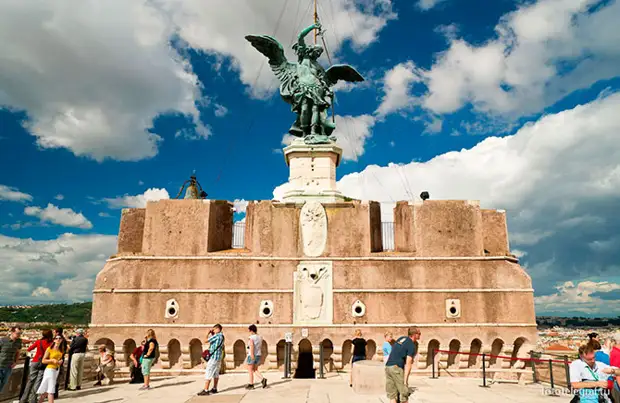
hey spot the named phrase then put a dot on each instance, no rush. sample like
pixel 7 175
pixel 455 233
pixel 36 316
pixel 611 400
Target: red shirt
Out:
pixel 614 357
pixel 41 345
pixel 137 353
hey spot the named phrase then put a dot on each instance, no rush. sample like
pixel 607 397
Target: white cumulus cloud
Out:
pixel 59 216
pixel 397 85
pixel 59 269
pixel 541 52
pixel 137 201
pixel 8 193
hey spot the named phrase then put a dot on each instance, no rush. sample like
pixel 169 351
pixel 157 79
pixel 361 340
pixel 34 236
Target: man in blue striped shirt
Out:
pixel 216 347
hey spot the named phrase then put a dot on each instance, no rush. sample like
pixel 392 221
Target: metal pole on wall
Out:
pixel 290 355
pixel 567 370
pixel 321 361
pixel 484 371
pixel 551 373
pixel 285 361
pixel 25 372
pixel 433 353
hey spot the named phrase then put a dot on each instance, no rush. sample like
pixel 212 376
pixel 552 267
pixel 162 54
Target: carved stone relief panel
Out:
pixel 313 293
pixel 313 221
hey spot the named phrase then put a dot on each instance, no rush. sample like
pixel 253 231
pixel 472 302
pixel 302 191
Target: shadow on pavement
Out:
pixel 173 384
pixel 243 386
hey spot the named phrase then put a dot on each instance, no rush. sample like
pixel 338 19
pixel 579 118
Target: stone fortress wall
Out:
pixel 318 271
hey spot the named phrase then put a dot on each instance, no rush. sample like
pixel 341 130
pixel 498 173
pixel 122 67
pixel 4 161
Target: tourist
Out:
pixel 255 344
pixel 602 354
pixel 387 346
pixel 213 356
pixel 398 366
pixel 9 354
pixel 150 353
pixel 53 358
pixel 592 336
pixel 35 374
pixel 77 352
pixel 105 369
pixel 135 367
pixel 358 352
pixel 589 377
pixel 63 347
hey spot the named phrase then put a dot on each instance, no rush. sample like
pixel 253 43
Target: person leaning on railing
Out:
pixel 590 377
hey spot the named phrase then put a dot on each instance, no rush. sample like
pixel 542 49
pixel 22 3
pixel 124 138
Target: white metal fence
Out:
pixel 387 230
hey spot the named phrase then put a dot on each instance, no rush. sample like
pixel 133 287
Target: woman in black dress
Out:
pixel 358 353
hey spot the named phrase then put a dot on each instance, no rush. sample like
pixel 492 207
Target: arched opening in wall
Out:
pixel 128 346
pixel 239 353
pixel 328 351
pixel 346 353
pixel 174 353
pixel 264 351
pixel 496 349
pixel 474 348
pixel 432 346
pixel 454 358
pixel 109 344
pixel 305 360
pixel 371 349
pixel 280 350
pixel 515 351
pixel 195 352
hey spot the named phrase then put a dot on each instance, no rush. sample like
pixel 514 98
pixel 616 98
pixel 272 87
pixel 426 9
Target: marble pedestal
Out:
pixel 312 172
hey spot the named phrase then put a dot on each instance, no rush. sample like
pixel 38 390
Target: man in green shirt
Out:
pixel 9 353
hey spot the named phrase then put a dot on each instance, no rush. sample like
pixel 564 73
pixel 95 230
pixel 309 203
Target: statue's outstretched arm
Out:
pixel 305 32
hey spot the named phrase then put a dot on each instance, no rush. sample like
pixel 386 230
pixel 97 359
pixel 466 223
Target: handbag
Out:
pixel 206 355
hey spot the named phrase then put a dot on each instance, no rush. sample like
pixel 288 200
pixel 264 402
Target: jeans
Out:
pixel 5 375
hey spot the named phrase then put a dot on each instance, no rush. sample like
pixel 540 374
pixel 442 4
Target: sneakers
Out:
pixel 249 387
pixel 204 393
pixel 144 387
pixel 264 383
pixel 213 391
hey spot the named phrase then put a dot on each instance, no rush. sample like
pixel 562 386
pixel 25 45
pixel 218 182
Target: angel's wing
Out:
pixel 268 46
pixel 342 72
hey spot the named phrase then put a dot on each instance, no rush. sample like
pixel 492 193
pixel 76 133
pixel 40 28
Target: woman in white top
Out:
pixel 255 343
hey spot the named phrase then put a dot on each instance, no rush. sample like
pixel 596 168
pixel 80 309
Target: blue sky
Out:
pixel 103 106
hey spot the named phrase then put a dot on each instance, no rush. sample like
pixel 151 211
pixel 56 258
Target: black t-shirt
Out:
pixel 401 349
pixel 147 346
pixel 359 347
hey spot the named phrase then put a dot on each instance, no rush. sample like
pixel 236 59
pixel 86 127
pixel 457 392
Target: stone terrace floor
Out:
pixel 335 389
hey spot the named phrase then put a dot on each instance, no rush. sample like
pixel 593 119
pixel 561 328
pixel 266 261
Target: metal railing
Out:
pixel 387 232
pixel 238 240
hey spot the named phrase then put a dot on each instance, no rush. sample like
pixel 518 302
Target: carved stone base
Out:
pixel 312 172
pixel 313 293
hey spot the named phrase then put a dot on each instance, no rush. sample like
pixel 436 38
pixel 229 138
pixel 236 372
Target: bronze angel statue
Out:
pixel 306 85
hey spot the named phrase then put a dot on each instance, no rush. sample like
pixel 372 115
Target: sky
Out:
pixel 105 105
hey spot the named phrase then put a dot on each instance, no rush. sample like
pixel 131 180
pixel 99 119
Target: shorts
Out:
pixel 147 363
pixel 255 361
pixel 357 358
pixel 395 383
pixel 213 369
